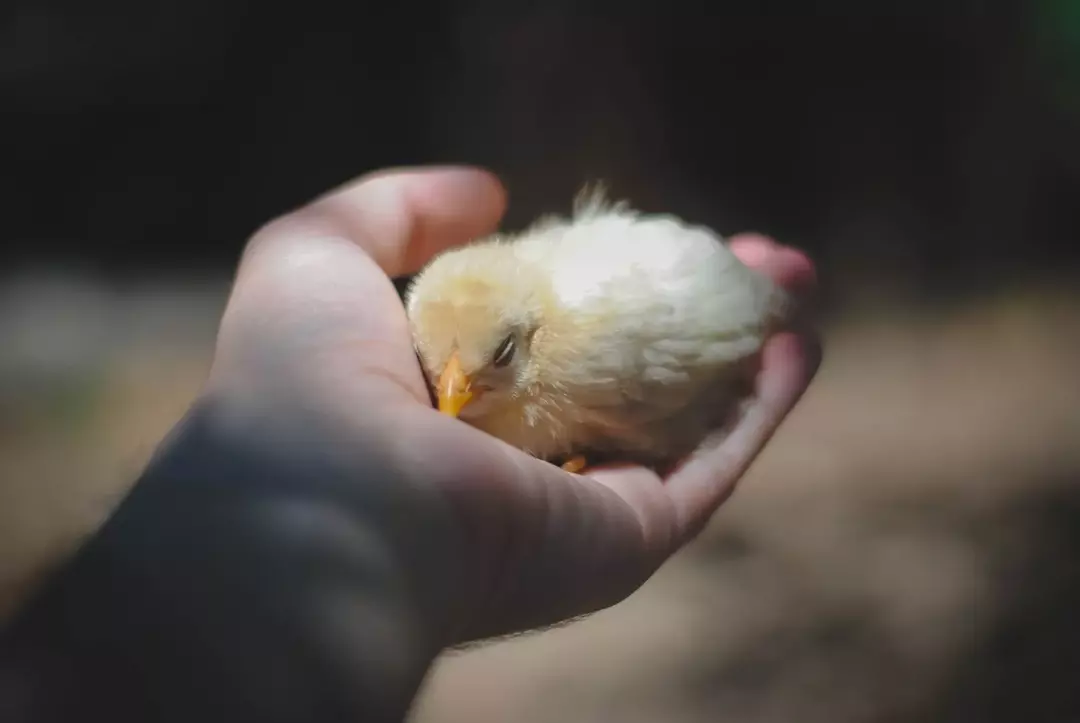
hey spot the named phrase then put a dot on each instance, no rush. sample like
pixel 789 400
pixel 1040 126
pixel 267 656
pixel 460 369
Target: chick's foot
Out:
pixel 574 465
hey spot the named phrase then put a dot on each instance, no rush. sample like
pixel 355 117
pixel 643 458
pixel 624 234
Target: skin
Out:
pixel 314 533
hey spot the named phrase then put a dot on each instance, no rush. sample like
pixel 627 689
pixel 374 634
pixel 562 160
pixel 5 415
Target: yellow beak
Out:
pixel 453 390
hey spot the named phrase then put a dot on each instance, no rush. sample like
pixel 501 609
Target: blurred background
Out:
pixel 906 550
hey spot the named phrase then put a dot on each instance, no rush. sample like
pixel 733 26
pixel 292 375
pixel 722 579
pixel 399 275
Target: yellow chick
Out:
pixel 607 336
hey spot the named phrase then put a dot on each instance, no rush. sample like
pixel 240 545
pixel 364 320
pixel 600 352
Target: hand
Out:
pixel 315 331
pixel 314 533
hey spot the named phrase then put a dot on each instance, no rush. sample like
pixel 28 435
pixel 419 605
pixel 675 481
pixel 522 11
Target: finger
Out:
pixel 539 531
pixel 642 490
pixel 319 273
pixel 702 483
pixel 400 218
pixel 787 267
pixel 789 362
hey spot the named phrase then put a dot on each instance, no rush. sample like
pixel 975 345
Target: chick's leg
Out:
pixel 574 465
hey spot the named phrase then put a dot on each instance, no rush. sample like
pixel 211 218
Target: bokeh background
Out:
pixel 907 548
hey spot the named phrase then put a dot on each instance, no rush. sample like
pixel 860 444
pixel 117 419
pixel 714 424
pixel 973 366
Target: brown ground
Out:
pixel 903 551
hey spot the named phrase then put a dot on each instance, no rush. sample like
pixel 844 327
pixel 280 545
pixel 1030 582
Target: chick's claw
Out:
pixel 574 465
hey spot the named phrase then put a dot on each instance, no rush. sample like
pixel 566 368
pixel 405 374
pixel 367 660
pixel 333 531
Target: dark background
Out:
pixel 906 550
pixel 923 138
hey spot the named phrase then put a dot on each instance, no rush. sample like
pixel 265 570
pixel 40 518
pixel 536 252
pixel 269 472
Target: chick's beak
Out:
pixel 453 390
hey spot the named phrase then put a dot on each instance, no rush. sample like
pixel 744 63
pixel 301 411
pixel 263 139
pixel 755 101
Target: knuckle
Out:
pixel 280 233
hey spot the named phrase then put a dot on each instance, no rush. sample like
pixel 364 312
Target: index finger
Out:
pixel 401 217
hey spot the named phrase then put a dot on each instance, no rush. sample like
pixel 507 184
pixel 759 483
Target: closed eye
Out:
pixel 505 352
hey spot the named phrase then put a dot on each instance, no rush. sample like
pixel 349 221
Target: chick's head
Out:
pixel 475 313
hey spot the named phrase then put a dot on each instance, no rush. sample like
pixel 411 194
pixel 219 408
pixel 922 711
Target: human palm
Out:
pixel 315 323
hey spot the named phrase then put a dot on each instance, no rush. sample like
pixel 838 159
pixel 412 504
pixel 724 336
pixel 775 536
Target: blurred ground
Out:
pixel 904 551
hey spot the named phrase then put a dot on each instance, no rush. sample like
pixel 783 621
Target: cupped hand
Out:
pixel 314 323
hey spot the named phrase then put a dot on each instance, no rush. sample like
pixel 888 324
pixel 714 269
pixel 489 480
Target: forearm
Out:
pixel 232 584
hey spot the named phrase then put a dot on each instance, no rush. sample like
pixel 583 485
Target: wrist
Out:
pixel 249 575
pixel 345 469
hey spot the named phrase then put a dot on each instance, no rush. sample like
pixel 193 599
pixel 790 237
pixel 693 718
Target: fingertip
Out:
pixel 790 268
pixel 453 205
pixel 752 242
pixel 471 198
pixel 459 182
pixel 795 271
pixel 435 177
pixel 403 216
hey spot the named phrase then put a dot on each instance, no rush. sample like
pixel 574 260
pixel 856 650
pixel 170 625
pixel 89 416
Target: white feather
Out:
pixel 688 304
pixel 659 312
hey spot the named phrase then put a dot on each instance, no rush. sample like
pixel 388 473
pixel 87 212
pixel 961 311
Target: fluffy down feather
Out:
pixel 630 336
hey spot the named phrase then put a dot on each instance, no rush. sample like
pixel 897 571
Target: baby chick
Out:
pixel 610 335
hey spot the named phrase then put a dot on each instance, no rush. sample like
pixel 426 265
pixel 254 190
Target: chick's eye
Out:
pixel 505 353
